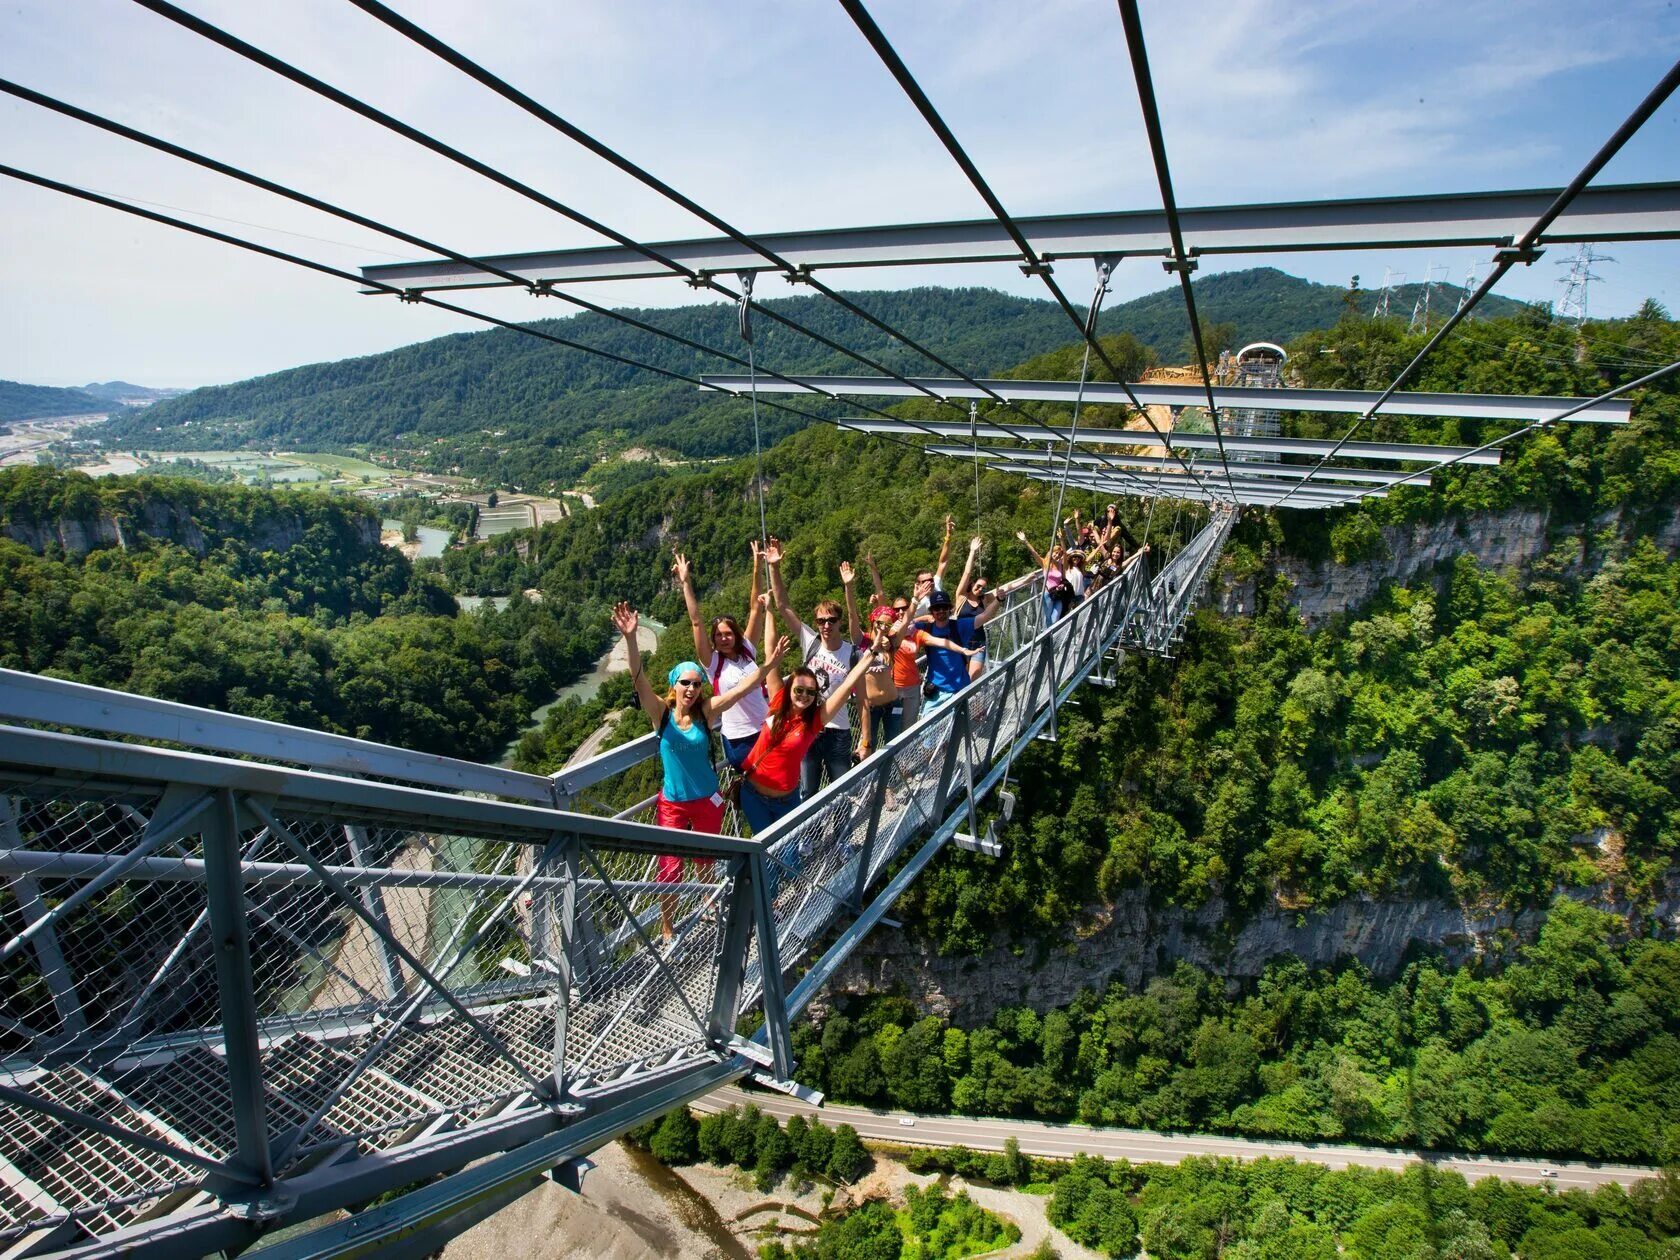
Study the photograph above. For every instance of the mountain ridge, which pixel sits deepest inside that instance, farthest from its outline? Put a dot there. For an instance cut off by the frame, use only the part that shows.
(432, 404)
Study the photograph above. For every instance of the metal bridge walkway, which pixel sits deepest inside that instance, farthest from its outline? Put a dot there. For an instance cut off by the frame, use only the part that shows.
(253, 974)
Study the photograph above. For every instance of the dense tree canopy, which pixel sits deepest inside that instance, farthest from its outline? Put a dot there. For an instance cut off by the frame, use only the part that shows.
(1572, 1050)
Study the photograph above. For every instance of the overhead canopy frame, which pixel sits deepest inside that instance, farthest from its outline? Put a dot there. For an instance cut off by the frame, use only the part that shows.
(1394, 452)
(1642, 212)
(1524, 408)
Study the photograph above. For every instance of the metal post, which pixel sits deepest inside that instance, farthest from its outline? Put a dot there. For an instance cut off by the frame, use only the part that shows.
(953, 745)
(562, 960)
(231, 946)
(770, 972)
(373, 897)
(739, 910)
(1008, 673)
(877, 802)
(49, 956)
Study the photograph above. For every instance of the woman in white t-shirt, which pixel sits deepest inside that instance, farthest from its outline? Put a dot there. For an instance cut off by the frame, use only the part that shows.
(728, 651)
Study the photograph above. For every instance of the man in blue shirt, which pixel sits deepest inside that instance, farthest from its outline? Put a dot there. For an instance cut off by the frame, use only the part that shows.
(947, 666)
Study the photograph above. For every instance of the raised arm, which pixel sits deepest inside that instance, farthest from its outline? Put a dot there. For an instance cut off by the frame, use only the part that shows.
(848, 579)
(728, 700)
(1041, 561)
(685, 575)
(974, 545)
(939, 641)
(839, 695)
(755, 610)
(772, 665)
(944, 554)
(625, 618)
(880, 592)
(778, 591)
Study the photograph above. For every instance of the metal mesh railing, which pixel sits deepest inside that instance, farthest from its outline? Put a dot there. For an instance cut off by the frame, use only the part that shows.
(219, 973)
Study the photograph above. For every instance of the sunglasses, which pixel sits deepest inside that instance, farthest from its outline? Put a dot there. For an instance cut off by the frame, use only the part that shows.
(827, 621)
(688, 682)
(802, 691)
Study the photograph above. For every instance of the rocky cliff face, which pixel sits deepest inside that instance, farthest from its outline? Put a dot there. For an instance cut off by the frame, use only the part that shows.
(1131, 941)
(174, 522)
(1512, 539)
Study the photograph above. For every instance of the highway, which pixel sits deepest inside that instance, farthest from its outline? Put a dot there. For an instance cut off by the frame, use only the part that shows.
(1063, 1141)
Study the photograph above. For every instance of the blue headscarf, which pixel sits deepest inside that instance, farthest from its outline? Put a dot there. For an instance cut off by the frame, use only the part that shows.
(681, 668)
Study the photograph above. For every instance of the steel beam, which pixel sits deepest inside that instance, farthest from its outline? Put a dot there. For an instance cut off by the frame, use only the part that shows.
(1182, 487)
(1397, 452)
(1522, 408)
(97, 764)
(231, 947)
(1625, 212)
(1019, 455)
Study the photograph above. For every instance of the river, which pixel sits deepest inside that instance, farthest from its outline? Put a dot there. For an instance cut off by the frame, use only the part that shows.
(612, 661)
(433, 541)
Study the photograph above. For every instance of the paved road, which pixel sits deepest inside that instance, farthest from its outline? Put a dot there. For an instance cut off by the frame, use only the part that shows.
(1143, 1147)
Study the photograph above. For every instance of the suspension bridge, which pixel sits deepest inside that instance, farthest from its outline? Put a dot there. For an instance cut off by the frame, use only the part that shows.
(254, 975)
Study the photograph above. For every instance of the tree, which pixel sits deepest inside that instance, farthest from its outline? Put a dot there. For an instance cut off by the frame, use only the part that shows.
(847, 1158)
(677, 1140)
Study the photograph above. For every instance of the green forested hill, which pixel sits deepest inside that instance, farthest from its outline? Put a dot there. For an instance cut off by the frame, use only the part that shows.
(36, 402)
(521, 412)
(274, 605)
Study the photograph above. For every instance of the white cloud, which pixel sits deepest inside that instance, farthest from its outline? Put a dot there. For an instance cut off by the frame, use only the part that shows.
(777, 116)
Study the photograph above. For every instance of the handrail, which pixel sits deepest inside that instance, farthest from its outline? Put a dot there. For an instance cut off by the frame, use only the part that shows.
(34, 698)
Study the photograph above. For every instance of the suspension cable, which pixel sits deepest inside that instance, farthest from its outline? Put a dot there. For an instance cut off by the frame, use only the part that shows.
(1105, 267)
(791, 273)
(1034, 265)
(697, 279)
(745, 312)
(1525, 251)
(1180, 263)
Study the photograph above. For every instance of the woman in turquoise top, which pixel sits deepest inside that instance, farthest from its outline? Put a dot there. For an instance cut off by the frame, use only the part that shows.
(688, 795)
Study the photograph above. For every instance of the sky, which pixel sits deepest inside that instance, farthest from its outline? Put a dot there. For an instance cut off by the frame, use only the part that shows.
(776, 115)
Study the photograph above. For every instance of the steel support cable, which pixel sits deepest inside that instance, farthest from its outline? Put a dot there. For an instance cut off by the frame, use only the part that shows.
(746, 281)
(357, 106)
(1104, 270)
(1647, 379)
(350, 216)
(1524, 250)
(792, 273)
(1034, 265)
(1181, 262)
(286, 70)
(310, 264)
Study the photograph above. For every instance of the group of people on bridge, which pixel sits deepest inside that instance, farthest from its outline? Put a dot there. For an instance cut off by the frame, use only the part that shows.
(783, 737)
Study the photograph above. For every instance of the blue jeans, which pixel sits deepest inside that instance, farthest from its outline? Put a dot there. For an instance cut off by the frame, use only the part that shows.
(885, 722)
(760, 811)
(832, 751)
(735, 751)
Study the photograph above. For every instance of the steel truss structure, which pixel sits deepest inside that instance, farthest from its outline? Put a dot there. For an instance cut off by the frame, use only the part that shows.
(264, 973)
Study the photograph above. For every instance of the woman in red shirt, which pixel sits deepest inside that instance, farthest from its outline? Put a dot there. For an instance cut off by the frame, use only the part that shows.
(798, 713)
